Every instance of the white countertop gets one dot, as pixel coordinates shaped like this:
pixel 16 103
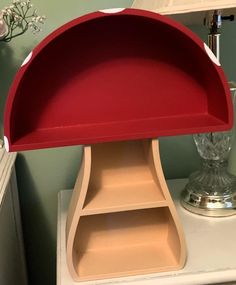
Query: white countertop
pixel 211 244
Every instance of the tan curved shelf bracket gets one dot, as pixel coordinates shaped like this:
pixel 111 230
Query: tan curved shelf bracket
pixel 121 219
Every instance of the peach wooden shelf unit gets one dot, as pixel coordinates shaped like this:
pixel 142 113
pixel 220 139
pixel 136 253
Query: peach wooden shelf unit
pixel 121 219
pixel 134 86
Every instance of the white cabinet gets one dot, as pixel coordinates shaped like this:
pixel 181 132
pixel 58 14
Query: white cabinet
pixel 210 242
pixel 12 260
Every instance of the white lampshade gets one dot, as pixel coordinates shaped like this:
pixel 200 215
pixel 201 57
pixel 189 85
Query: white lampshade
pixel 186 11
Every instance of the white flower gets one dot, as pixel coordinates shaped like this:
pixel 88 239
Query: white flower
pixel 18 17
pixel 23 4
pixel 3 26
pixel 9 11
pixel 42 19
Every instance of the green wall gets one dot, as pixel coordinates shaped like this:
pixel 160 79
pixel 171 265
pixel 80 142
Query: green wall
pixel 41 174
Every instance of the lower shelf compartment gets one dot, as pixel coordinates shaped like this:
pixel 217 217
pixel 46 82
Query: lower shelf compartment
pixel 126 243
pixel 147 258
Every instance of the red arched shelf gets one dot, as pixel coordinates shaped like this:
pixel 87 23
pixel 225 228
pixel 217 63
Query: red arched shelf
pixel 116 76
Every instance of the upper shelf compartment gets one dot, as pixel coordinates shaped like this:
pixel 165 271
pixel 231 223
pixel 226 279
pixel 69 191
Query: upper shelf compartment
pixel 116 75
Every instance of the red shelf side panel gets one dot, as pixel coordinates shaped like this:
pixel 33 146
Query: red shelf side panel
pixel 104 77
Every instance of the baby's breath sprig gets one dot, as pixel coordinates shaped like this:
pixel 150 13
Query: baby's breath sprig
pixel 18 18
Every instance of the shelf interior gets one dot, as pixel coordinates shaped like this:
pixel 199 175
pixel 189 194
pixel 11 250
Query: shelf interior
pixel 131 86
pixel 125 243
pixel 122 178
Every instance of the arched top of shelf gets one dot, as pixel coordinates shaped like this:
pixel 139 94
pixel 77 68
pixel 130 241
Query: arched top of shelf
pixel 112 75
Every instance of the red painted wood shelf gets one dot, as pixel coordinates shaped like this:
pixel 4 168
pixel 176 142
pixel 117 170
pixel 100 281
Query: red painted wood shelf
pixel 116 76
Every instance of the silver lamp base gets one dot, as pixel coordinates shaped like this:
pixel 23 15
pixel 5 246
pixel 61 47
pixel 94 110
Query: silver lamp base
pixel 210 195
pixel 211 206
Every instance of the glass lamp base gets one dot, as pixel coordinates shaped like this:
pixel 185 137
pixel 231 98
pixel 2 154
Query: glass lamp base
pixel 210 194
pixel 211 191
